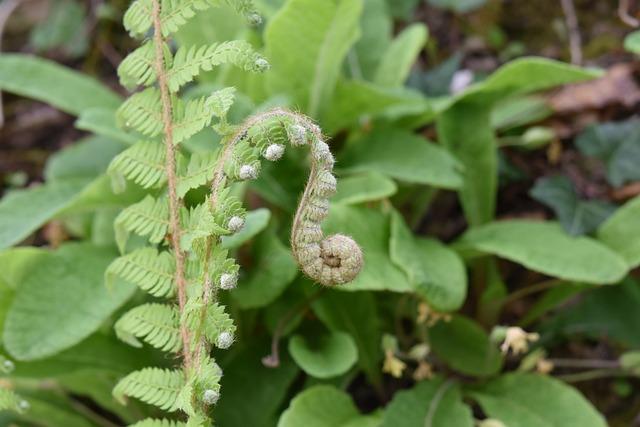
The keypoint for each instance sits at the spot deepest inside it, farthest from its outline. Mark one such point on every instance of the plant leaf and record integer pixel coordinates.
(400, 56)
(324, 356)
(364, 187)
(621, 232)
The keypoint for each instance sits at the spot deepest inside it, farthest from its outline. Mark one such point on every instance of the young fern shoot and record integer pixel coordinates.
(185, 259)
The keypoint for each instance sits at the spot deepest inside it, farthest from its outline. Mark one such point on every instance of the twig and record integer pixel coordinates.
(590, 375)
(6, 9)
(625, 16)
(170, 166)
(538, 287)
(575, 40)
(585, 363)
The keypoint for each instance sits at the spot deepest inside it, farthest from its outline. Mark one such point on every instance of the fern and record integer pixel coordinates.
(148, 218)
(137, 18)
(149, 422)
(149, 270)
(155, 386)
(142, 112)
(142, 163)
(10, 401)
(156, 324)
(189, 61)
(198, 173)
(190, 118)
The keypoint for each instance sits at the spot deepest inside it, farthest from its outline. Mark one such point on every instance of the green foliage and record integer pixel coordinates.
(158, 387)
(156, 324)
(324, 356)
(147, 268)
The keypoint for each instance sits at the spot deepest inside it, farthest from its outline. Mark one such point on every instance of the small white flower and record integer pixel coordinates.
(248, 172)
(274, 152)
(224, 340)
(228, 281)
(210, 397)
(262, 64)
(517, 339)
(235, 224)
(8, 366)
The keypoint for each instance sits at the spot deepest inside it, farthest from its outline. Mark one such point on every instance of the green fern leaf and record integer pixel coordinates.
(150, 422)
(155, 324)
(198, 223)
(176, 13)
(220, 101)
(148, 218)
(198, 173)
(138, 67)
(155, 386)
(190, 118)
(10, 401)
(218, 321)
(188, 61)
(137, 19)
(142, 112)
(142, 163)
(151, 271)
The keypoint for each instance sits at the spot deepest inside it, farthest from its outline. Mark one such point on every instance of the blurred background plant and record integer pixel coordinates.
(495, 196)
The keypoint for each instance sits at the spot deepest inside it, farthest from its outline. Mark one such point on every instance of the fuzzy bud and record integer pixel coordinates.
(297, 135)
(327, 184)
(235, 224)
(262, 64)
(8, 366)
(210, 397)
(228, 281)
(23, 405)
(248, 172)
(274, 152)
(224, 340)
(322, 154)
(254, 19)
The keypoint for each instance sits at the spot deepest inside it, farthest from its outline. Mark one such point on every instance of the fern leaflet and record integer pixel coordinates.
(142, 163)
(155, 386)
(149, 217)
(10, 401)
(156, 324)
(190, 118)
(198, 173)
(150, 422)
(149, 270)
(142, 112)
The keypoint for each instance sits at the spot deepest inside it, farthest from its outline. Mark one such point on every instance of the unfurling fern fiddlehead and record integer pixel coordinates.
(189, 261)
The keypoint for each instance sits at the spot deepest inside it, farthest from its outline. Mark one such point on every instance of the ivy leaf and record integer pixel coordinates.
(621, 232)
(404, 156)
(434, 403)
(71, 282)
(364, 187)
(617, 145)
(465, 346)
(46, 81)
(321, 406)
(306, 59)
(370, 228)
(436, 272)
(544, 247)
(576, 216)
(525, 400)
(324, 356)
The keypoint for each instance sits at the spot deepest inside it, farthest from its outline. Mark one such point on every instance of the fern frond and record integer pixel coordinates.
(138, 67)
(149, 270)
(155, 386)
(218, 322)
(137, 18)
(142, 112)
(198, 223)
(198, 173)
(10, 401)
(148, 218)
(188, 61)
(156, 324)
(190, 118)
(150, 422)
(176, 13)
(142, 163)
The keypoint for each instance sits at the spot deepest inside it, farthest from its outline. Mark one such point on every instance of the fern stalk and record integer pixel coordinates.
(170, 168)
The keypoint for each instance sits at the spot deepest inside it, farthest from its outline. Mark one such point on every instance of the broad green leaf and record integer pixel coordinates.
(64, 29)
(551, 299)
(307, 42)
(87, 158)
(404, 156)
(24, 211)
(632, 42)
(621, 232)
(355, 314)
(370, 228)
(576, 216)
(254, 223)
(400, 56)
(433, 403)
(46, 81)
(402, 8)
(436, 272)
(617, 145)
(51, 409)
(357, 101)
(465, 125)
(324, 356)
(252, 393)
(71, 282)
(364, 187)
(376, 28)
(465, 346)
(102, 121)
(460, 6)
(610, 312)
(273, 270)
(320, 406)
(546, 248)
(529, 400)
